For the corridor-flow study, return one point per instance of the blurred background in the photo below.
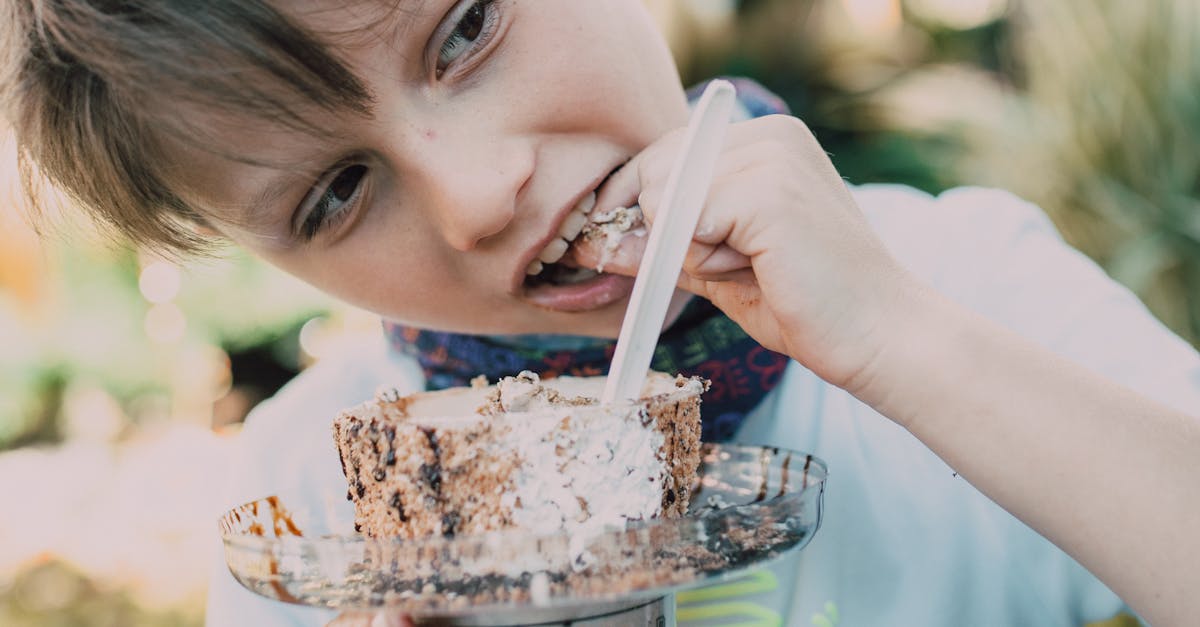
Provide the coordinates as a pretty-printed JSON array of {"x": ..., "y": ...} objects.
[{"x": 123, "y": 374}]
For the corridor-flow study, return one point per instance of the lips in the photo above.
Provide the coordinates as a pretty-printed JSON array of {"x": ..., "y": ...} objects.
[
  {"x": 594, "y": 293},
  {"x": 553, "y": 280}
]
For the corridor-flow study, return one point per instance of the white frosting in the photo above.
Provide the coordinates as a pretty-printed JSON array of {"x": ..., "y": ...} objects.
[
  {"x": 583, "y": 467},
  {"x": 611, "y": 227},
  {"x": 525, "y": 393},
  {"x": 539, "y": 589}
]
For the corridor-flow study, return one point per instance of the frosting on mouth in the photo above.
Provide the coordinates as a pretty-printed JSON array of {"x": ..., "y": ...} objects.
[
  {"x": 599, "y": 230},
  {"x": 606, "y": 229}
]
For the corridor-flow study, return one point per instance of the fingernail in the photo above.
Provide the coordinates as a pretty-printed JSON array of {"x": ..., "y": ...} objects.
[{"x": 389, "y": 619}]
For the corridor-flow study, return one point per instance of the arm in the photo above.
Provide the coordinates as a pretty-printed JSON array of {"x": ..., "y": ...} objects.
[
  {"x": 783, "y": 249},
  {"x": 1108, "y": 475}
]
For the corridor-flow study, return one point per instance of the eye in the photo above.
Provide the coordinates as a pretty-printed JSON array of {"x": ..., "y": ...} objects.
[
  {"x": 475, "y": 23},
  {"x": 336, "y": 201}
]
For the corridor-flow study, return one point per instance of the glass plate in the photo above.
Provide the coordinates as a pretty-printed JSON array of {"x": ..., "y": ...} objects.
[{"x": 749, "y": 506}]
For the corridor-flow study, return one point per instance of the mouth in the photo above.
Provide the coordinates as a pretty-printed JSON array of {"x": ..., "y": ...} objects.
[{"x": 553, "y": 280}]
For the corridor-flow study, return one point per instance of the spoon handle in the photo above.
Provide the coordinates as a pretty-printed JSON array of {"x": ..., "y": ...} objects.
[{"x": 672, "y": 231}]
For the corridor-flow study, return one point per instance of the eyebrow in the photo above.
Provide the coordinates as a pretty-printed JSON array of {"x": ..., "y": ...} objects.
[{"x": 260, "y": 210}]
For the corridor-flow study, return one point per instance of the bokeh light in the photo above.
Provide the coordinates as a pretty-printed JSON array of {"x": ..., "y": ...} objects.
[
  {"x": 159, "y": 281},
  {"x": 124, "y": 375},
  {"x": 874, "y": 17},
  {"x": 165, "y": 323},
  {"x": 958, "y": 14}
]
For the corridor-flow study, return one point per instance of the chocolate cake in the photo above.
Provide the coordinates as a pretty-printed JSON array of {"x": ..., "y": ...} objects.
[{"x": 522, "y": 453}]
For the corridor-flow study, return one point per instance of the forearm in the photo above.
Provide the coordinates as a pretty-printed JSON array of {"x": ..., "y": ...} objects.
[{"x": 1111, "y": 477}]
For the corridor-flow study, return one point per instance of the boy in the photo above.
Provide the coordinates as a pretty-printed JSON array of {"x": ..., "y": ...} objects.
[{"x": 423, "y": 159}]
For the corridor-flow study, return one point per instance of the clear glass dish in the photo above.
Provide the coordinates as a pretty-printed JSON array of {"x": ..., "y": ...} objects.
[{"x": 750, "y": 505}]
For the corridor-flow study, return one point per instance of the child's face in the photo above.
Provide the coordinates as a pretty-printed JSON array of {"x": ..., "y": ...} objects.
[{"x": 491, "y": 120}]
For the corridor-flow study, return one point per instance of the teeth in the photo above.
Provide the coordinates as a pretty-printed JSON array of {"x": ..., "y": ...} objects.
[
  {"x": 572, "y": 225},
  {"x": 586, "y": 203},
  {"x": 554, "y": 251}
]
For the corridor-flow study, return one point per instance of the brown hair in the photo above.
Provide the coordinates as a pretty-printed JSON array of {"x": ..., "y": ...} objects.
[{"x": 92, "y": 89}]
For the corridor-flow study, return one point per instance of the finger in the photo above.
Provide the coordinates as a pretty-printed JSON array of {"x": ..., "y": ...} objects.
[
  {"x": 390, "y": 619},
  {"x": 644, "y": 176},
  {"x": 713, "y": 263},
  {"x": 382, "y": 618},
  {"x": 708, "y": 256},
  {"x": 751, "y": 147},
  {"x": 706, "y": 284},
  {"x": 623, "y": 187},
  {"x": 351, "y": 619},
  {"x": 624, "y": 258}
]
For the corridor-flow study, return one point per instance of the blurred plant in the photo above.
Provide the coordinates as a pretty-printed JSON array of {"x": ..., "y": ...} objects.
[
  {"x": 829, "y": 58},
  {"x": 149, "y": 332},
  {"x": 52, "y": 594},
  {"x": 1107, "y": 139},
  {"x": 1092, "y": 112}
]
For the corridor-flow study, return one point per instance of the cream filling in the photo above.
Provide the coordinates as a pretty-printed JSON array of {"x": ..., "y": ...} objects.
[
  {"x": 592, "y": 478},
  {"x": 584, "y": 467}
]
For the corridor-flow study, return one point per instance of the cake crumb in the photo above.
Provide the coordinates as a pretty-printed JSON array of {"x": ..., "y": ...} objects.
[{"x": 609, "y": 227}]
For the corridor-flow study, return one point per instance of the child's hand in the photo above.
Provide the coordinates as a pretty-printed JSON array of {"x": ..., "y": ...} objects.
[
  {"x": 781, "y": 246},
  {"x": 370, "y": 619}
]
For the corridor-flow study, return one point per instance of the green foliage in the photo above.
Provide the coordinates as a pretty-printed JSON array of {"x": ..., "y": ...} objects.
[
  {"x": 1089, "y": 109},
  {"x": 1108, "y": 140},
  {"x": 53, "y": 594},
  {"x": 788, "y": 46}
]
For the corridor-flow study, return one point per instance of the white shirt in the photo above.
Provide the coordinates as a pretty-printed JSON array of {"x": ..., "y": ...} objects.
[{"x": 904, "y": 541}]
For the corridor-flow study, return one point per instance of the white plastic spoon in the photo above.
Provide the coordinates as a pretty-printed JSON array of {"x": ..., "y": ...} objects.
[{"x": 672, "y": 231}]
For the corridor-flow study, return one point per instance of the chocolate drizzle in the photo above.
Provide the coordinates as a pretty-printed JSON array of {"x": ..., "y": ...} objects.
[
  {"x": 783, "y": 485},
  {"x": 390, "y": 457},
  {"x": 398, "y": 505},
  {"x": 450, "y": 524},
  {"x": 281, "y": 519},
  {"x": 432, "y": 474},
  {"x": 765, "y": 460}
]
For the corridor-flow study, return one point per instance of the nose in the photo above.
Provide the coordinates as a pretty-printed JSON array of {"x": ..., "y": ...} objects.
[{"x": 472, "y": 184}]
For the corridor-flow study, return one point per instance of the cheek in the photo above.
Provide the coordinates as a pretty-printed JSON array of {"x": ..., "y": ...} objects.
[{"x": 373, "y": 282}]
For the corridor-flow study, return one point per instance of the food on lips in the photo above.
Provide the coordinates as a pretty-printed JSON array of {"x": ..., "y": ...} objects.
[
  {"x": 606, "y": 229},
  {"x": 601, "y": 229},
  {"x": 550, "y": 266},
  {"x": 524, "y": 453}
]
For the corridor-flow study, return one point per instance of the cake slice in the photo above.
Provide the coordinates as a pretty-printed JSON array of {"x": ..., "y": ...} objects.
[{"x": 523, "y": 453}]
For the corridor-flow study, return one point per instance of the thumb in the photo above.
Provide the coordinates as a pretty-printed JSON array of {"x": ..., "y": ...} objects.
[
  {"x": 604, "y": 246},
  {"x": 606, "y": 249},
  {"x": 390, "y": 619}
]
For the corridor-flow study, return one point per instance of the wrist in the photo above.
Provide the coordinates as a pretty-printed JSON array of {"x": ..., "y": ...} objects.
[{"x": 914, "y": 320}]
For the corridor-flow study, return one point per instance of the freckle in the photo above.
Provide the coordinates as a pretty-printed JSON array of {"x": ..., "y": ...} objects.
[{"x": 430, "y": 134}]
